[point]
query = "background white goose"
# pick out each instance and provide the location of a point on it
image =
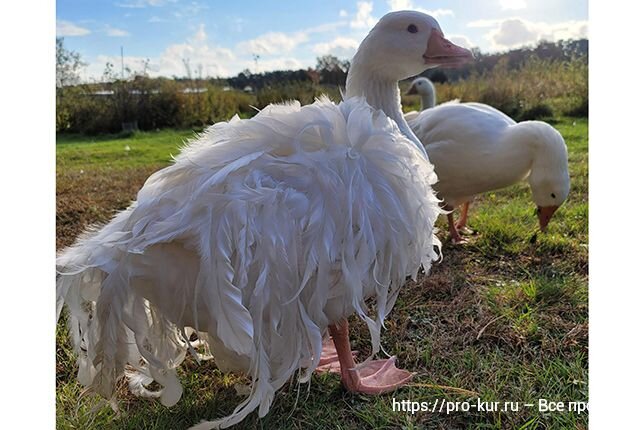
(265, 234)
(475, 148)
(427, 92)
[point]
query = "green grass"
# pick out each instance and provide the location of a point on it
(113, 151)
(500, 318)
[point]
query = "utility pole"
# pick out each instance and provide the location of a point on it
(122, 61)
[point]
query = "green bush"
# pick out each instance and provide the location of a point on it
(149, 103)
(536, 89)
(541, 111)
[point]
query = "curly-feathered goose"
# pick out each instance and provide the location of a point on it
(264, 235)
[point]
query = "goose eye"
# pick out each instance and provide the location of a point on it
(553, 196)
(412, 29)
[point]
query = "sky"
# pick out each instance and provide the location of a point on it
(222, 38)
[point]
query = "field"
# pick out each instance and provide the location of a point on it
(502, 318)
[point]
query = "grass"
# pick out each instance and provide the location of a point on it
(501, 318)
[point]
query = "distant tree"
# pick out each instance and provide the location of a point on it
(123, 98)
(332, 70)
(313, 75)
(331, 63)
(68, 65)
(436, 75)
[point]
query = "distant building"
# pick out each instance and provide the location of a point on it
(194, 90)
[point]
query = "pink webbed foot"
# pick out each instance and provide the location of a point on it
(374, 377)
(329, 361)
(377, 377)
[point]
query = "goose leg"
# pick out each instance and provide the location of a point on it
(375, 377)
(329, 361)
(453, 231)
(461, 225)
(462, 222)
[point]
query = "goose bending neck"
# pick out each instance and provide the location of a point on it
(381, 93)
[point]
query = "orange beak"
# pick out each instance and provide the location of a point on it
(443, 53)
(545, 214)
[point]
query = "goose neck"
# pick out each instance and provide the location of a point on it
(427, 101)
(380, 93)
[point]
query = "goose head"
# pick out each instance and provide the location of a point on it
(400, 45)
(549, 177)
(406, 43)
(425, 89)
(548, 194)
(421, 86)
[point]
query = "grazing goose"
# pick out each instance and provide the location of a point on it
(476, 148)
(265, 235)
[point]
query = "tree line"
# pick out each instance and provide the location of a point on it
(134, 100)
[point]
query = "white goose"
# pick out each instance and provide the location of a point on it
(427, 92)
(265, 234)
(476, 148)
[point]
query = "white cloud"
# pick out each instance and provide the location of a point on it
(363, 18)
(200, 53)
(400, 4)
(408, 5)
(512, 32)
(273, 43)
(215, 60)
(116, 32)
(513, 4)
(340, 47)
(197, 50)
(480, 23)
(343, 13)
(516, 32)
(276, 64)
(566, 30)
(68, 29)
(437, 13)
(277, 50)
(96, 69)
(154, 19)
(212, 60)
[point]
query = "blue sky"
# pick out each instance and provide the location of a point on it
(221, 38)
